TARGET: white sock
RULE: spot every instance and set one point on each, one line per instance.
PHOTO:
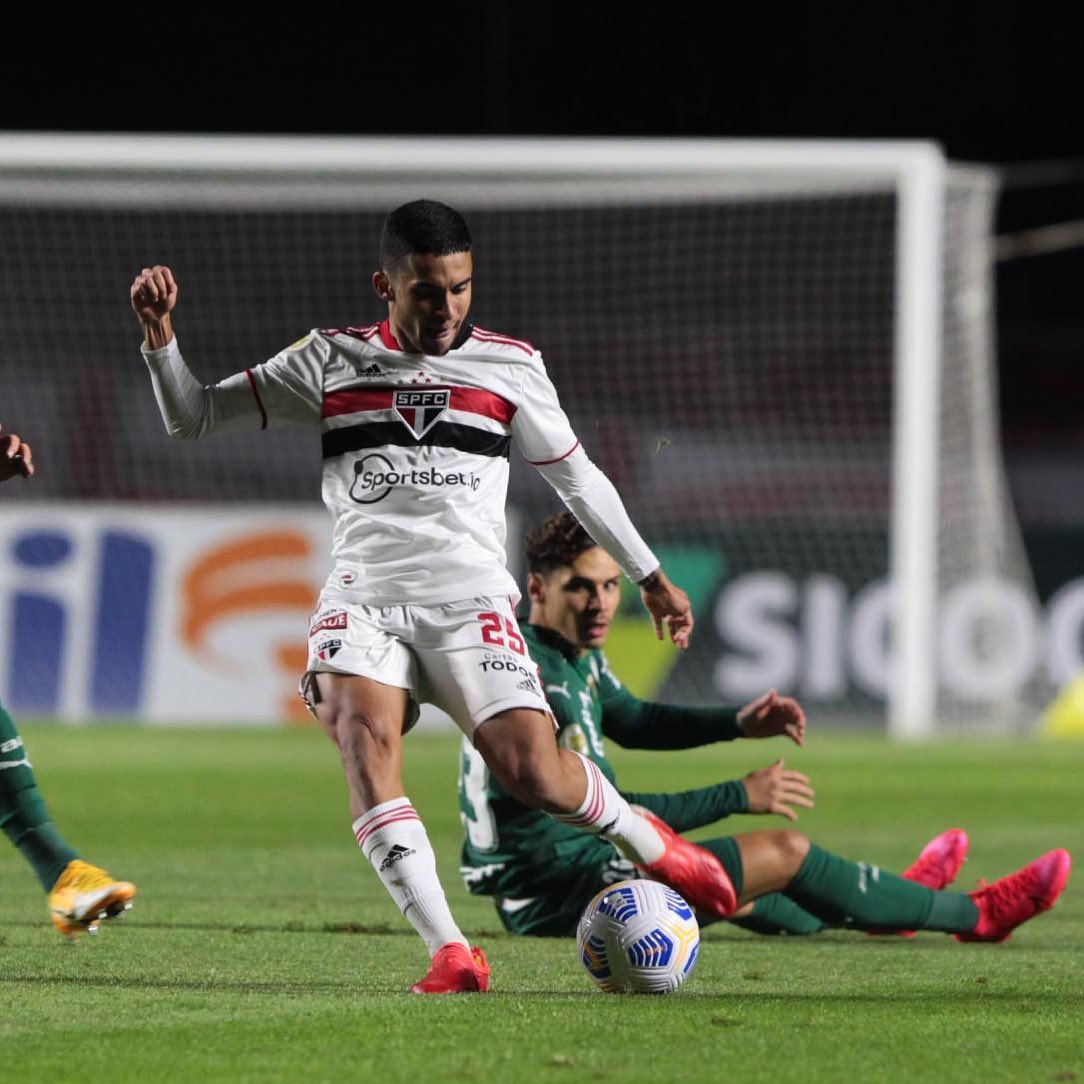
(605, 813)
(394, 840)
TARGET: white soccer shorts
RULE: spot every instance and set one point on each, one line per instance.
(468, 658)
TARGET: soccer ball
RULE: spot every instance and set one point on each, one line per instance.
(638, 937)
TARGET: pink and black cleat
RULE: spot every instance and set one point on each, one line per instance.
(1007, 903)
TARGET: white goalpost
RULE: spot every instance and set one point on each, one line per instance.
(917, 371)
(781, 351)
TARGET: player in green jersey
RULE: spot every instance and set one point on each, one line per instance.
(542, 874)
(79, 894)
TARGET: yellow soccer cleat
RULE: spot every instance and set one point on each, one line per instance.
(85, 894)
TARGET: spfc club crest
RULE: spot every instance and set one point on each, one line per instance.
(328, 650)
(421, 409)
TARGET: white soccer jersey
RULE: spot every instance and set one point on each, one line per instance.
(415, 453)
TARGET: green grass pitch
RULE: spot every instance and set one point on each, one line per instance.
(262, 947)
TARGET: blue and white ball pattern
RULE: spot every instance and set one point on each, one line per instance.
(638, 937)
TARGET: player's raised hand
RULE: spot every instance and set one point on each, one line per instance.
(776, 790)
(771, 715)
(669, 607)
(154, 295)
(15, 457)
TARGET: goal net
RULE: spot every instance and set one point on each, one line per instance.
(781, 353)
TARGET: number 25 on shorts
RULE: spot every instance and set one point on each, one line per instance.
(501, 632)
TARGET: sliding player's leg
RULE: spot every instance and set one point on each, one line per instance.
(366, 719)
(862, 896)
(935, 867)
(774, 915)
(79, 894)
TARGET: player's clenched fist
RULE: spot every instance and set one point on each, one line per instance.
(154, 294)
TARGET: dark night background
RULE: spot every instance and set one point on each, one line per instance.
(994, 84)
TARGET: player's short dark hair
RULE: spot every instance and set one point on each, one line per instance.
(556, 543)
(422, 226)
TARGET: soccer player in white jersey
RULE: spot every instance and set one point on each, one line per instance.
(417, 414)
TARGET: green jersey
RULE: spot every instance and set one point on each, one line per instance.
(514, 851)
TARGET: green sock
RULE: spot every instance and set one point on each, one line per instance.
(845, 893)
(23, 815)
(775, 914)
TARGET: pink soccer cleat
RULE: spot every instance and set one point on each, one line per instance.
(940, 860)
(455, 969)
(690, 870)
(1007, 903)
(936, 867)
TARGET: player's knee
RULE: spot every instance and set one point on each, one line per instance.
(791, 847)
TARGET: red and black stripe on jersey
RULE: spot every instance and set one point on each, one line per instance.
(376, 433)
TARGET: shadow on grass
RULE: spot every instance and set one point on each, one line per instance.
(378, 929)
(963, 999)
(209, 985)
(717, 934)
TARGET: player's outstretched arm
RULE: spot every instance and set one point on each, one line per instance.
(776, 790)
(669, 607)
(154, 296)
(15, 457)
(772, 715)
